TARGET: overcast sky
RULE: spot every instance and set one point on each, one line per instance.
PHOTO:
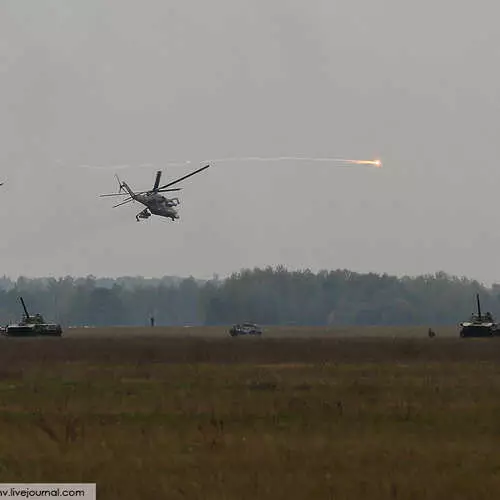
(151, 82)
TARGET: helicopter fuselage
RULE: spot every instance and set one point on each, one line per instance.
(159, 205)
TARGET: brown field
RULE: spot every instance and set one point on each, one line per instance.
(188, 413)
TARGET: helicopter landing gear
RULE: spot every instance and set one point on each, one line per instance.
(145, 214)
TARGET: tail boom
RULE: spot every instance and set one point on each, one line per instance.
(125, 186)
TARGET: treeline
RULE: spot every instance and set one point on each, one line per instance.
(271, 296)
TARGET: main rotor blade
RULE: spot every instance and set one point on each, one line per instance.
(165, 190)
(121, 194)
(185, 177)
(124, 202)
(157, 180)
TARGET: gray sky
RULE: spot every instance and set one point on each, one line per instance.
(122, 82)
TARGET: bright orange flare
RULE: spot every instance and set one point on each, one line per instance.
(375, 163)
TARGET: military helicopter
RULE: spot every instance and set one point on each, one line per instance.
(155, 203)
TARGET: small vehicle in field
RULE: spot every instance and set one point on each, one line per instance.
(245, 329)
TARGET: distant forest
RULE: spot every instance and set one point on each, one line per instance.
(271, 296)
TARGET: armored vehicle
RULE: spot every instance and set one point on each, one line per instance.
(32, 326)
(479, 325)
(245, 329)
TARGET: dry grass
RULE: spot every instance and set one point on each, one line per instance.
(253, 418)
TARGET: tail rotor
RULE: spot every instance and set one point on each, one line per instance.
(120, 185)
(121, 189)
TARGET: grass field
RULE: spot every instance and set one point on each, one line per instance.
(181, 415)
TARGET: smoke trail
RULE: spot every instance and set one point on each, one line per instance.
(373, 163)
(105, 167)
(115, 167)
(339, 161)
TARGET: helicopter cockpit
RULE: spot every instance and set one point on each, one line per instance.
(171, 202)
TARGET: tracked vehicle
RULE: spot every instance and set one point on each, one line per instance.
(31, 326)
(479, 325)
(245, 329)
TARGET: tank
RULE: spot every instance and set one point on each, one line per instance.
(479, 325)
(32, 326)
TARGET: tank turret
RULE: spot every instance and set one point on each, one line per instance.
(27, 318)
(479, 325)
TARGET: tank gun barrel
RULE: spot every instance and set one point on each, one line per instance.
(478, 307)
(24, 307)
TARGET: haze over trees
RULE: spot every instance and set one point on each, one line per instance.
(273, 296)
